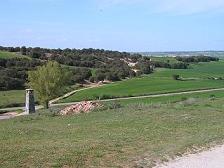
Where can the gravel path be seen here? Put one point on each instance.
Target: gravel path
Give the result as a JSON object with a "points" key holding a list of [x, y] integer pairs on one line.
{"points": [[213, 158]]}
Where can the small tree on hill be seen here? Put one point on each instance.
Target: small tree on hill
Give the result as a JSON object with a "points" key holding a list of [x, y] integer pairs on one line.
{"points": [[48, 81]]}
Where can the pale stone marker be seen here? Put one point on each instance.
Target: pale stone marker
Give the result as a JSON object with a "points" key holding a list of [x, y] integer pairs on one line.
{"points": [[30, 104]]}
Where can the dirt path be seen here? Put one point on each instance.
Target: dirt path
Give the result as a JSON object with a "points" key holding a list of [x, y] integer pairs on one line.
{"points": [[73, 92], [213, 158], [8, 115], [149, 96]]}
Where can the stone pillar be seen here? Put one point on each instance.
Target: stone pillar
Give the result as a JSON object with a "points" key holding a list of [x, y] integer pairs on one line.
{"points": [[30, 103]]}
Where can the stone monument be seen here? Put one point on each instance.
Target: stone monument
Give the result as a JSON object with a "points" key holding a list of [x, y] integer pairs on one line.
{"points": [[30, 103]]}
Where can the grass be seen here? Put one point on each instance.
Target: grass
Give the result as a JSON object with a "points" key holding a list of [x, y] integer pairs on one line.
{"points": [[16, 98], [12, 98], [133, 135], [7, 55], [168, 99], [201, 70], [159, 82]]}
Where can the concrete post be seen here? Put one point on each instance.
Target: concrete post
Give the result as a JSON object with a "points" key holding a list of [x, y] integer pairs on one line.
{"points": [[30, 103]]}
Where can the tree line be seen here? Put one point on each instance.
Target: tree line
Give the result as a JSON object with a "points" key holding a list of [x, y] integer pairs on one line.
{"points": [[14, 72], [197, 59]]}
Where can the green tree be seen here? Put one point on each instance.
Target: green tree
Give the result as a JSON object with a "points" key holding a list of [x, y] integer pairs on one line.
{"points": [[48, 81], [23, 50]]}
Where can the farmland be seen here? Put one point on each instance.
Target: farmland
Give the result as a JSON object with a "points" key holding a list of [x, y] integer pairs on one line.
{"points": [[197, 77]]}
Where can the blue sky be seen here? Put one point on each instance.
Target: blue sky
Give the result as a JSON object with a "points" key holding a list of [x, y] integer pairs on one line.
{"points": [[125, 25]]}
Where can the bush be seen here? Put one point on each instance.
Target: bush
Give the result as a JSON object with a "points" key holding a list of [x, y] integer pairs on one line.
{"points": [[176, 77]]}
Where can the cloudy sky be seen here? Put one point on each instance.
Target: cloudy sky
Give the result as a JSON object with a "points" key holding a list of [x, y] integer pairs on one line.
{"points": [[125, 25]]}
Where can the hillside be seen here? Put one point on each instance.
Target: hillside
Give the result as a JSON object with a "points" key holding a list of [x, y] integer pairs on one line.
{"points": [[88, 66]]}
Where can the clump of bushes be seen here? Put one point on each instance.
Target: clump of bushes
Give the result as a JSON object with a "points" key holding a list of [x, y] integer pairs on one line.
{"points": [[176, 77]]}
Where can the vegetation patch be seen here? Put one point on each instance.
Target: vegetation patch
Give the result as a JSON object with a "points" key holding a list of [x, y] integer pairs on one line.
{"points": [[133, 135]]}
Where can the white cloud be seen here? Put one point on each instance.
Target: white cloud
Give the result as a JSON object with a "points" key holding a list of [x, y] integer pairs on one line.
{"points": [[171, 6]]}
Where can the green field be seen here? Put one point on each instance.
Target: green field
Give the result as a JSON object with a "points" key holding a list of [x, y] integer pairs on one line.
{"points": [[168, 99], [7, 55], [159, 82], [134, 135], [12, 98], [201, 70]]}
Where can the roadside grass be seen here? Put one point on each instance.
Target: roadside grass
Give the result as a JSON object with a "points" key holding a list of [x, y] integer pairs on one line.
{"points": [[135, 135], [7, 55], [159, 82]]}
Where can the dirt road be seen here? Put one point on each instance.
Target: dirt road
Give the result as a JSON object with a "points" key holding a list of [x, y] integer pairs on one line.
{"points": [[213, 158]]}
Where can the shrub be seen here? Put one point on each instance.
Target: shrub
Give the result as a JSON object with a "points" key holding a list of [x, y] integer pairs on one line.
{"points": [[176, 77]]}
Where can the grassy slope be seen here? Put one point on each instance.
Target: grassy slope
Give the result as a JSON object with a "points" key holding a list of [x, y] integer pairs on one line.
{"points": [[7, 55], [158, 82], [168, 99], [128, 136]]}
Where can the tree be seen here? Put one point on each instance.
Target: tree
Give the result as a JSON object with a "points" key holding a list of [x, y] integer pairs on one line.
{"points": [[23, 50], [36, 52], [48, 81]]}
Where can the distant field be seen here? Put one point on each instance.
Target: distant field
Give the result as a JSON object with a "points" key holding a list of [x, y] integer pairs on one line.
{"points": [[7, 55], [135, 135], [12, 98], [165, 59], [159, 82], [201, 70]]}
